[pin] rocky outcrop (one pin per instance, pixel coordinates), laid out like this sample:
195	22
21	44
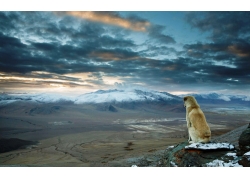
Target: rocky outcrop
192	155
244	141
200	155
235	153
225	151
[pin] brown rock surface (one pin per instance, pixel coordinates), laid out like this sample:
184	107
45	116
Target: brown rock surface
244	140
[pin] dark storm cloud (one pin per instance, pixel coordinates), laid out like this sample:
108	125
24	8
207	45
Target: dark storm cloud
153	51
156	32
222	25
234	61
53	56
229	49
7	42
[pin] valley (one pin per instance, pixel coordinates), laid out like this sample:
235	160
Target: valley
102	134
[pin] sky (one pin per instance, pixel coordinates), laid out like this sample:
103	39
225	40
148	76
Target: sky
76	52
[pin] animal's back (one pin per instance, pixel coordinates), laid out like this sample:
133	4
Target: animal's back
198	121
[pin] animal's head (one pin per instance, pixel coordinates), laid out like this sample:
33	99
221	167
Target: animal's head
190	101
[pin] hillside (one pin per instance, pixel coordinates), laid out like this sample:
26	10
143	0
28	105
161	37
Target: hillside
160	158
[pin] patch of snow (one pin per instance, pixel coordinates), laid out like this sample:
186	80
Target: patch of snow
210	146
231	154
220	163
169	147
173	164
247	154
149	128
225	98
134	166
7	101
49	97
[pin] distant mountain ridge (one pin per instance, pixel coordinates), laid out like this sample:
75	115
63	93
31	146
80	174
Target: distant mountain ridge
117	96
220	98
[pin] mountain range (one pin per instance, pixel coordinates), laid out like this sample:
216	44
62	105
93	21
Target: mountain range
117	96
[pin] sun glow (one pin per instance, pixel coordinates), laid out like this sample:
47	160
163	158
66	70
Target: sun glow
182	92
69	83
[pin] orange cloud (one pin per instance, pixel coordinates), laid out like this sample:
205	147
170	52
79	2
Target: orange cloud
239	52
112	19
112	56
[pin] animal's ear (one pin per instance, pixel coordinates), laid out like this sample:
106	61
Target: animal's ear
185	98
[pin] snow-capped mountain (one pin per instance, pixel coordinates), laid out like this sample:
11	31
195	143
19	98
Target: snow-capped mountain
100	96
43	97
126	95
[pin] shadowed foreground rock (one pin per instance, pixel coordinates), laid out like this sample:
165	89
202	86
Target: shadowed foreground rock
244	141
245	161
199	155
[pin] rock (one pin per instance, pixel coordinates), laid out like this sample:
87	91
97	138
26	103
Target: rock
244	141
245	161
198	154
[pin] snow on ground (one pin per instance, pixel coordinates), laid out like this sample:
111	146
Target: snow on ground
6	101
247	155
151	120
210	146
150	128
220	163
49	97
231	154
217	162
173	164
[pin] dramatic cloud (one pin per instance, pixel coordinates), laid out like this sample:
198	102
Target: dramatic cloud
94	50
155	32
222	25
229	50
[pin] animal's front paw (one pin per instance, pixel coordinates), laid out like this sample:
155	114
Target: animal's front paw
190	142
